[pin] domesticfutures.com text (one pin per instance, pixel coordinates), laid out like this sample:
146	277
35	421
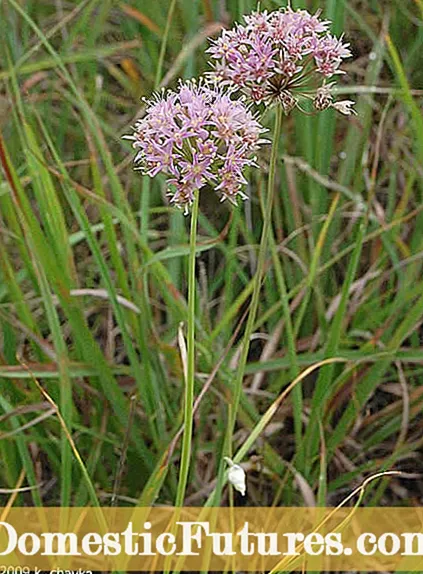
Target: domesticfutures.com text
191	537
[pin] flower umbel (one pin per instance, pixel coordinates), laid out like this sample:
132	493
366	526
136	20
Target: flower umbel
284	57
196	136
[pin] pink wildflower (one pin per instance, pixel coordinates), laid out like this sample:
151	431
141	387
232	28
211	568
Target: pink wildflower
285	56
197	136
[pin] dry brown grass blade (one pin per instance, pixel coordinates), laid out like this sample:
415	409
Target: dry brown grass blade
141	18
272	410
21	327
13	496
267	353
208	10
56	28
29	424
89	484
284	564
194	44
25	409
19	490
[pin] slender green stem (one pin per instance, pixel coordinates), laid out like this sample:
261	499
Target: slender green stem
146	184
297	392
189	383
259	273
162	55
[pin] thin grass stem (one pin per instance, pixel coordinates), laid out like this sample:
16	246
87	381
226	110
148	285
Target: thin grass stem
190	375
258	275
159	71
297	393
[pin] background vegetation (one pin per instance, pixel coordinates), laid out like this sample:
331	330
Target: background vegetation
93	268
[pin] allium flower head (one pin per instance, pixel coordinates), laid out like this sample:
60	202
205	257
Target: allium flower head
285	56
196	136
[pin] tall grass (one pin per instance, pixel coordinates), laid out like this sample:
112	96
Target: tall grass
94	271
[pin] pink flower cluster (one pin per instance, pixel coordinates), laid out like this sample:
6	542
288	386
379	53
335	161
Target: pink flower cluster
196	136
282	56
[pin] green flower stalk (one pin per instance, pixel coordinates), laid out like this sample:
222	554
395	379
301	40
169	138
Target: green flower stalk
259	274
198	136
282	59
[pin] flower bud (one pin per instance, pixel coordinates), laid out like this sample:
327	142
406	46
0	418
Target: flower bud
236	476
345	107
323	99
